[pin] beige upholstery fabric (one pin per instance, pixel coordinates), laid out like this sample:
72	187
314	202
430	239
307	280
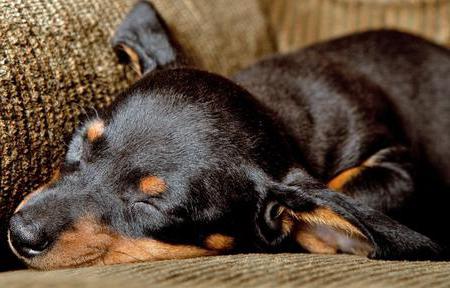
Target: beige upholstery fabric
298	23
220	35
284	270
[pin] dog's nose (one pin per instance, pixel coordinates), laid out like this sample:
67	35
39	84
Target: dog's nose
27	237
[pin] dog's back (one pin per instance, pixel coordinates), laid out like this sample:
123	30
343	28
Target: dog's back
381	84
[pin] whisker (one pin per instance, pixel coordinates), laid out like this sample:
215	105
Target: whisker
96	112
83	111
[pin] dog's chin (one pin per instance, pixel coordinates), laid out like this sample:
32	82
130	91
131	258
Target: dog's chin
88	243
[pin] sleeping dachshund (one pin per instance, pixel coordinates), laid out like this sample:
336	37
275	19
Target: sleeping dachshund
341	147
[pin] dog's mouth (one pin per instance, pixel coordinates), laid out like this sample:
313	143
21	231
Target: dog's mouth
89	243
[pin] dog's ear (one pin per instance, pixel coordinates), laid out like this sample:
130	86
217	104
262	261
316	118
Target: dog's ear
143	41
322	221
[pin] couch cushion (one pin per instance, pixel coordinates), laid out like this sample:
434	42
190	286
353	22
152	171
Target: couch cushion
222	36
299	23
263	270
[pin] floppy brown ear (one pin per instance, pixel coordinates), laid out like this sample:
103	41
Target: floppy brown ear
143	41
322	221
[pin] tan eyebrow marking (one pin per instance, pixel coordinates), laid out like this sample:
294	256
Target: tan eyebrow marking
219	242
152	185
95	130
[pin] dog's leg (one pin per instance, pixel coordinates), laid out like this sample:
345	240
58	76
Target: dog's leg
392	183
143	41
383	182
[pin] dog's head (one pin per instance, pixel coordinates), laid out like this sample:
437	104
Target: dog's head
173	170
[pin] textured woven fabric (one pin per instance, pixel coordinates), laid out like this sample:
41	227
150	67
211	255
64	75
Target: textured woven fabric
283	270
55	61
220	35
299	23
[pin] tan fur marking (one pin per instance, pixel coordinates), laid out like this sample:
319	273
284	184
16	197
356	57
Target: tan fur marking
219	242
286	220
55	177
134	59
89	243
327	217
313	244
152	185
338	182
126	250
323	231
95	130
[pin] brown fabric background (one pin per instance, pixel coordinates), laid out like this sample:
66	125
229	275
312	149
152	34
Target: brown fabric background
296	23
261	270
220	35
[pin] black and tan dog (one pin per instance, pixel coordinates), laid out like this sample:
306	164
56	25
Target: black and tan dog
316	151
